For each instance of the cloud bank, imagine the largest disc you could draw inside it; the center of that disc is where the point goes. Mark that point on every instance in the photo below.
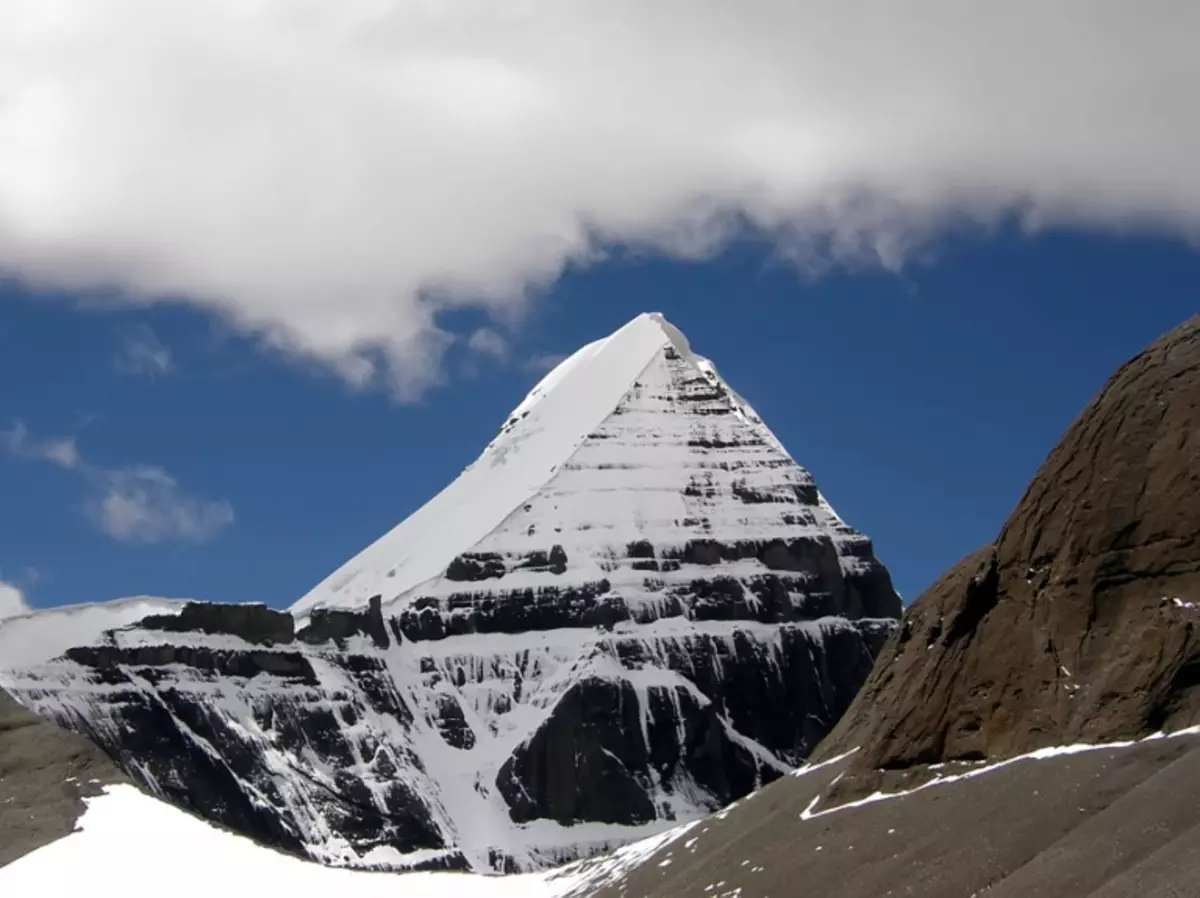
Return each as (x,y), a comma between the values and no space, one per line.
(12,601)
(132,504)
(334,175)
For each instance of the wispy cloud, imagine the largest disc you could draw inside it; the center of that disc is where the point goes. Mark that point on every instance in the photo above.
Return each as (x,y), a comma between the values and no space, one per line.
(488,343)
(333,176)
(17,440)
(146,505)
(142,353)
(134,504)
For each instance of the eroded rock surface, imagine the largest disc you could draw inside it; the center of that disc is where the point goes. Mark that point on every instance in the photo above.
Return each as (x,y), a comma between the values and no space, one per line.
(1082,622)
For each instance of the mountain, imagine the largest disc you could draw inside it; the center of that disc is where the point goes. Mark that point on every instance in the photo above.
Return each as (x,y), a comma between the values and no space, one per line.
(1032,730)
(632,609)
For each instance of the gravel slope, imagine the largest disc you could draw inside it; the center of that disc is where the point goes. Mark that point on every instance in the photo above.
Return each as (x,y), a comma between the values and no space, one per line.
(45,773)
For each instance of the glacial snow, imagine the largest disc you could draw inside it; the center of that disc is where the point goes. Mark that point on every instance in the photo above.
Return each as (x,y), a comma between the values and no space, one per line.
(130,845)
(537,454)
(541,433)
(36,637)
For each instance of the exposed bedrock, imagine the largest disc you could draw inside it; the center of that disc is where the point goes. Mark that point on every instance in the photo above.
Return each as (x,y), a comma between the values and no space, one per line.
(1082,622)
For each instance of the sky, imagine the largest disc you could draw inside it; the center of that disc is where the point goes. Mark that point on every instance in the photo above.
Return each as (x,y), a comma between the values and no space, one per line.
(271,274)
(162,454)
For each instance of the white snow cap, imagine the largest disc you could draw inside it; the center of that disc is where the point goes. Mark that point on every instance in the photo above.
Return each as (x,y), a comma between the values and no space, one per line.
(544,433)
(540,434)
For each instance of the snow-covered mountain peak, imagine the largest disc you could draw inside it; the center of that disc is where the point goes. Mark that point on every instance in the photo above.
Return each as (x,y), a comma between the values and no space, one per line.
(633,608)
(538,439)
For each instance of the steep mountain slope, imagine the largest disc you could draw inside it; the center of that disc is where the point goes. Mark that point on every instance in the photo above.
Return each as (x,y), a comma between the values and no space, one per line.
(1084,822)
(1080,625)
(634,608)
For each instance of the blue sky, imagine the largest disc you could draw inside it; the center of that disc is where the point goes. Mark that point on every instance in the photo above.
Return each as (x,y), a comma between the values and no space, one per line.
(157,450)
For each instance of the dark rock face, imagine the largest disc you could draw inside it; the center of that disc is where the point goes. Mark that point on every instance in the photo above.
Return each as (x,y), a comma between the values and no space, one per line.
(324,749)
(1082,622)
(608,746)
(338,625)
(255,772)
(253,623)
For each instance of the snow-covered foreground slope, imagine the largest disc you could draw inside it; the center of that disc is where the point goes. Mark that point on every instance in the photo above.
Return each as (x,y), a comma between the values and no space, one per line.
(130,845)
(634,608)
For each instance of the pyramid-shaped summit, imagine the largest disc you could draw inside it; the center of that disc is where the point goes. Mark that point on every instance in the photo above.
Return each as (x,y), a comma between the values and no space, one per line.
(631,483)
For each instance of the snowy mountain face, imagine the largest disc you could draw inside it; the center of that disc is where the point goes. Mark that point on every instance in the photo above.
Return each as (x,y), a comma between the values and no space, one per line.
(632,609)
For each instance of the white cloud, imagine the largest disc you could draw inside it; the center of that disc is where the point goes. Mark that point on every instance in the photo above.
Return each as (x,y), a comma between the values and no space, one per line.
(141,503)
(488,343)
(333,175)
(16,440)
(146,505)
(142,353)
(63,453)
(12,601)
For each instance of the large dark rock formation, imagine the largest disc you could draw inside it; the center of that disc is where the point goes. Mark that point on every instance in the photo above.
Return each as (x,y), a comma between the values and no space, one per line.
(1082,622)
(342,740)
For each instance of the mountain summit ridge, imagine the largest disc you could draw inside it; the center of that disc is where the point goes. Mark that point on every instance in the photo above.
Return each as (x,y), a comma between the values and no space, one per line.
(581,390)
(542,435)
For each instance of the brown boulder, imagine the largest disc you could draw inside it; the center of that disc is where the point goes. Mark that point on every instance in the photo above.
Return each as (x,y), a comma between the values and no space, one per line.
(1082,622)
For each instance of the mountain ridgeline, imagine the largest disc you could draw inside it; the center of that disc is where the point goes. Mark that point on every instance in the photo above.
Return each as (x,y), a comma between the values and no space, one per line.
(633,609)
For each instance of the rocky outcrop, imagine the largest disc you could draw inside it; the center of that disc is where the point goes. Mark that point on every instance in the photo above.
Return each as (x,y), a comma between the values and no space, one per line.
(1082,622)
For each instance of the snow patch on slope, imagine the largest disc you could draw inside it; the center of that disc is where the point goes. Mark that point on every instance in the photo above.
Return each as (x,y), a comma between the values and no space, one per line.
(980,768)
(31,639)
(130,845)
